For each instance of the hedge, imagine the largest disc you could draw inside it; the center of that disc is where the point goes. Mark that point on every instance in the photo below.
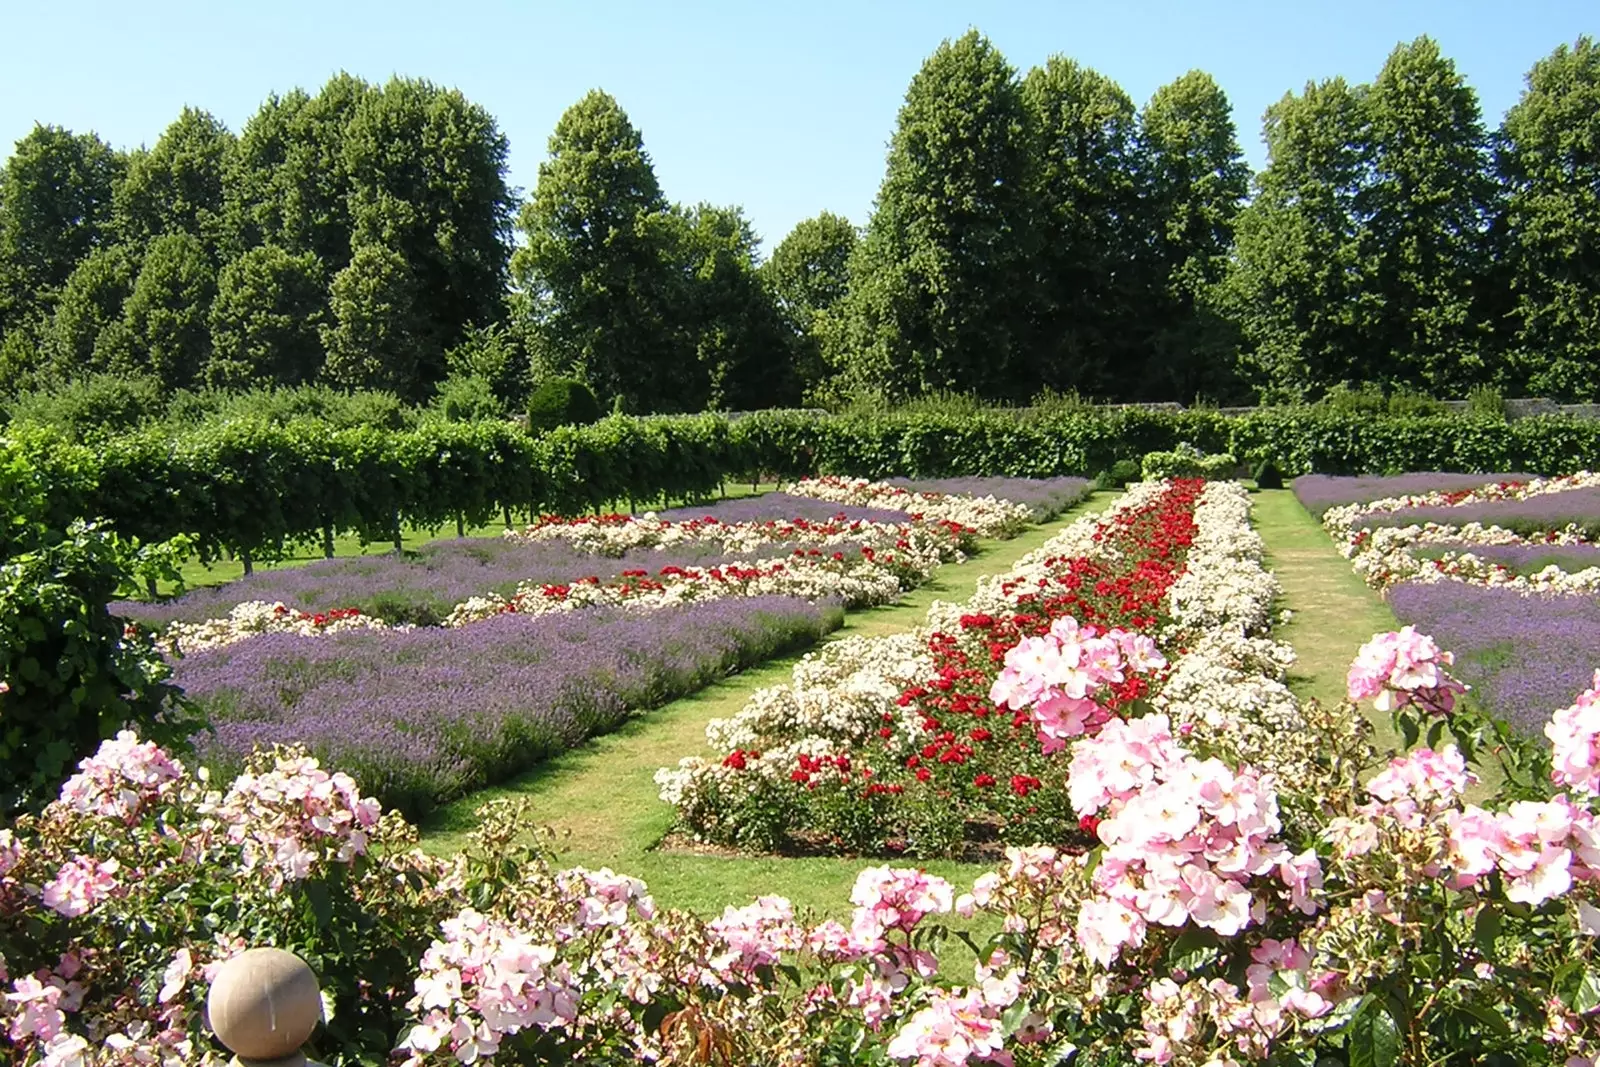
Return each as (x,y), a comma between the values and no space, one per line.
(255,488)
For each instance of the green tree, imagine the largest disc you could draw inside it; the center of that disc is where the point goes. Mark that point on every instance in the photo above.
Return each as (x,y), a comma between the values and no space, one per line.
(493,354)
(427,174)
(289,183)
(266,318)
(1549,162)
(1196,180)
(808,274)
(1091,224)
(600,267)
(740,337)
(55,207)
(940,285)
(166,314)
(1299,287)
(91,301)
(372,337)
(179,186)
(1429,200)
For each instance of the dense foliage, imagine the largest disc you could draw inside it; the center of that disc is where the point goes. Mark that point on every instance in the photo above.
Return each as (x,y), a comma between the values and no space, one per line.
(1034,231)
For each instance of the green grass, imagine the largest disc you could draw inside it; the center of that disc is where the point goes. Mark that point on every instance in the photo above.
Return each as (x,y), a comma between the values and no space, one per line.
(197,574)
(602,797)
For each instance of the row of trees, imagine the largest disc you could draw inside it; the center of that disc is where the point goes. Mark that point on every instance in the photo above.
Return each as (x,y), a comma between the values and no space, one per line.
(1033,231)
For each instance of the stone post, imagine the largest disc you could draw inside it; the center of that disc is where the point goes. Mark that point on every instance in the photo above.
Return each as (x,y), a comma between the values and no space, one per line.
(263,1006)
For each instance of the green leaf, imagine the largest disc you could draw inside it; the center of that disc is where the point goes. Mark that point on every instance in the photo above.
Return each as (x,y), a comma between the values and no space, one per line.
(1374,1040)
(1486,929)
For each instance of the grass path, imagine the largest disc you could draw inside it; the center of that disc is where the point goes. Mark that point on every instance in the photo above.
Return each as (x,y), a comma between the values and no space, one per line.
(603,796)
(1334,612)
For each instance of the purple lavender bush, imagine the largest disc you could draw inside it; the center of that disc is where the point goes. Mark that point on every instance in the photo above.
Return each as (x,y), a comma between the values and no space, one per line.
(1551,511)
(424,716)
(1319,492)
(423,586)
(1524,656)
(1045,497)
(1521,559)
(777,507)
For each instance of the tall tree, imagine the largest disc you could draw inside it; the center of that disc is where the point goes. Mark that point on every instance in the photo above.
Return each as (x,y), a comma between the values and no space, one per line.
(166,314)
(1091,225)
(1428,206)
(808,274)
(372,333)
(1299,286)
(427,173)
(55,207)
(600,264)
(266,319)
(1549,162)
(939,286)
(739,334)
(290,182)
(1196,180)
(91,301)
(178,186)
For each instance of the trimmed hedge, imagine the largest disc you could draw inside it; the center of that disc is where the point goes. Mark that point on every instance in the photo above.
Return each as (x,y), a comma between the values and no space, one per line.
(255,488)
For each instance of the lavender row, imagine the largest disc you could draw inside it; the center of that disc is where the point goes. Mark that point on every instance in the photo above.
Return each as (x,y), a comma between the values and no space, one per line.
(1549,511)
(422,587)
(1046,497)
(1319,492)
(1524,656)
(428,715)
(1522,559)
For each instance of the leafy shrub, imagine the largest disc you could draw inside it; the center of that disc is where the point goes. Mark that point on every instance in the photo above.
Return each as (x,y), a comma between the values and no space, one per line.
(561,402)
(1187,461)
(1364,399)
(1118,475)
(92,408)
(1407,401)
(1267,475)
(69,676)
(1485,401)
(467,398)
(495,355)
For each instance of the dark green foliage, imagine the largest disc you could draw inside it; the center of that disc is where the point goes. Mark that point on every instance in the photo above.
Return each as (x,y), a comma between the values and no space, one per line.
(1267,475)
(940,286)
(92,408)
(1090,222)
(373,336)
(599,264)
(72,677)
(494,354)
(1118,475)
(561,402)
(179,187)
(1195,181)
(266,318)
(55,208)
(166,315)
(90,304)
(1549,161)
(808,274)
(467,398)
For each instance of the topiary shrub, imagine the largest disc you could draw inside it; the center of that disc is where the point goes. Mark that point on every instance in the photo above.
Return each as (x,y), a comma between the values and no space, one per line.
(561,402)
(1267,475)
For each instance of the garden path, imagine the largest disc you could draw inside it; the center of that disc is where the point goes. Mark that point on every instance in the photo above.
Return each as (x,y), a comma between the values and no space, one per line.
(602,796)
(1334,612)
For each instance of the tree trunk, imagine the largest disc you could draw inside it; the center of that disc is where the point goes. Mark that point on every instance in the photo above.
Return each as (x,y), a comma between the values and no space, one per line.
(244,557)
(461,530)
(327,541)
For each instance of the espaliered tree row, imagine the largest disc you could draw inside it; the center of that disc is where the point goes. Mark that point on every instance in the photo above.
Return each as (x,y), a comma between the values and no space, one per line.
(1034,231)
(254,488)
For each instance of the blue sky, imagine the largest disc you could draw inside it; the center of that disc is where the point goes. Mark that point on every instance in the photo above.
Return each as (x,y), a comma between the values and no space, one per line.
(783,108)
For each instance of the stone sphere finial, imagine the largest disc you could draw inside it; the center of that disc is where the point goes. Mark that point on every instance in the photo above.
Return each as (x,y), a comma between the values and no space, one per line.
(263,1006)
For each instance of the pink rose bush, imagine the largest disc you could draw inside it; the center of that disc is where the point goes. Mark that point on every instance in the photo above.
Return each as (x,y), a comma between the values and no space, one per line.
(1402,669)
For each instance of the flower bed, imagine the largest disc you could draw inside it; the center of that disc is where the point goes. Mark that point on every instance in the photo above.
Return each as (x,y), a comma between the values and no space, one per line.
(424,716)
(913,743)
(990,516)
(1220,911)
(1319,492)
(1045,497)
